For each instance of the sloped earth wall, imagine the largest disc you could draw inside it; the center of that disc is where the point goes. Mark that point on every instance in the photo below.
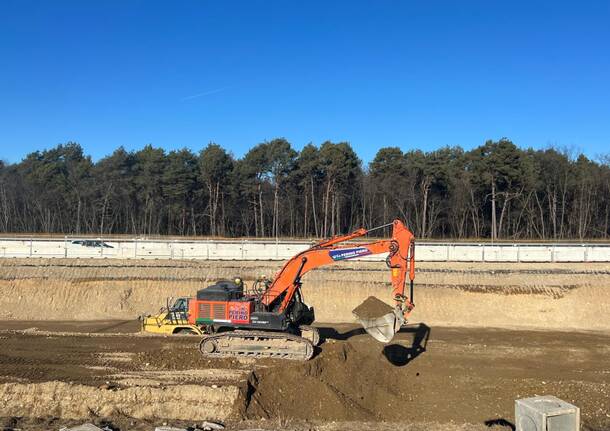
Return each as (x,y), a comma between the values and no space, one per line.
(523,295)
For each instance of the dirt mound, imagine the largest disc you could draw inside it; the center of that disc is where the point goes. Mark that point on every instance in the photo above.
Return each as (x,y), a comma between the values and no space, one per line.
(348,382)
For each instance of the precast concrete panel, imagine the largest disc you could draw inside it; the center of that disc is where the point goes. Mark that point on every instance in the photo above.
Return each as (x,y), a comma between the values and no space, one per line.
(598,253)
(569,253)
(535,253)
(463,253)
(501,253)
(431,252)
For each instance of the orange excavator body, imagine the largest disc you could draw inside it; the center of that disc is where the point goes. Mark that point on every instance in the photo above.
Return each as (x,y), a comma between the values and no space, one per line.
(273,321)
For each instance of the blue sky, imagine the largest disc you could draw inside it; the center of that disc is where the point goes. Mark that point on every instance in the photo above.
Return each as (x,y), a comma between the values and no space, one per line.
(411,74)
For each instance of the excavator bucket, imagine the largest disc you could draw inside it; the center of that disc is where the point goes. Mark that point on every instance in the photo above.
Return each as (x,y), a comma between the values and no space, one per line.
(379,319)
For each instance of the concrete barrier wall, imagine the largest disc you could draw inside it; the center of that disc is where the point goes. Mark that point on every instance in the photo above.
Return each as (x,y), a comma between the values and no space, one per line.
(281,250)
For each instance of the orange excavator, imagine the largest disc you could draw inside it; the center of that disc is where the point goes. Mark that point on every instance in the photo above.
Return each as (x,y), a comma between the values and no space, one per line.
(272,319)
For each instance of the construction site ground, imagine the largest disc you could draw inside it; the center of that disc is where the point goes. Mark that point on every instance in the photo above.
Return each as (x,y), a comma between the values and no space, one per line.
(60,373)
(481,336)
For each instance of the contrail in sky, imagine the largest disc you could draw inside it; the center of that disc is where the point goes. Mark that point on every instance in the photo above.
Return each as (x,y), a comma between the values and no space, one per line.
(206,93)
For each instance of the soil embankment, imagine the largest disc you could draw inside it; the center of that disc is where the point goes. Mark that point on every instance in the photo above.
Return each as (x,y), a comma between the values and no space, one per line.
(521,295)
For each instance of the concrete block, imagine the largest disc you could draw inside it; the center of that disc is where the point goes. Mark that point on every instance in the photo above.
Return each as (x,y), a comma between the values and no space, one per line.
(546,413)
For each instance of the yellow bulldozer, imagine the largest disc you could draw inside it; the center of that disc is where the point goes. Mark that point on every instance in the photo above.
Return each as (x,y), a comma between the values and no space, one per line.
(171,319)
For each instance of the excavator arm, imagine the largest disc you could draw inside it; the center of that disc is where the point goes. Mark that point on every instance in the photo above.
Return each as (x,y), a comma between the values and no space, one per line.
(401,261)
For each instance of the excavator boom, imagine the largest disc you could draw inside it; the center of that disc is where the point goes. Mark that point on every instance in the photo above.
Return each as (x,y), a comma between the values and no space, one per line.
(400,260)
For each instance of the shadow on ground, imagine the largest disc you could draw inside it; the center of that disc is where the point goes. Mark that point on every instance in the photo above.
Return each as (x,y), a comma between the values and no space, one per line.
(397,353)
(501,422)
(400,355)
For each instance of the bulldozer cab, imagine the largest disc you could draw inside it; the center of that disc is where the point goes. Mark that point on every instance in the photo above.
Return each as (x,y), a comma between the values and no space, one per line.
(177,311)
(180,305)
(171,319)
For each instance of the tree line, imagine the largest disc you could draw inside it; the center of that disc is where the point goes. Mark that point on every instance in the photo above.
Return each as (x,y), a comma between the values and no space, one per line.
(496,191)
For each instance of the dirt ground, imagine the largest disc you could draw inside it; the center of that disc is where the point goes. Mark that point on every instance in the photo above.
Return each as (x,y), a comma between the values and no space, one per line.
(448,371)
(54,374)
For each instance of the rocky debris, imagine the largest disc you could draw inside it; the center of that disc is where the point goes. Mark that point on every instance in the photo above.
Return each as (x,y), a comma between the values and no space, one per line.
(205,426)
(108,386)
(211,426)
(164,428)
(85,427)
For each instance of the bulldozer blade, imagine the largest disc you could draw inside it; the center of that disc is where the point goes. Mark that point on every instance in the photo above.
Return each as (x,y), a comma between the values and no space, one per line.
(378,319)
